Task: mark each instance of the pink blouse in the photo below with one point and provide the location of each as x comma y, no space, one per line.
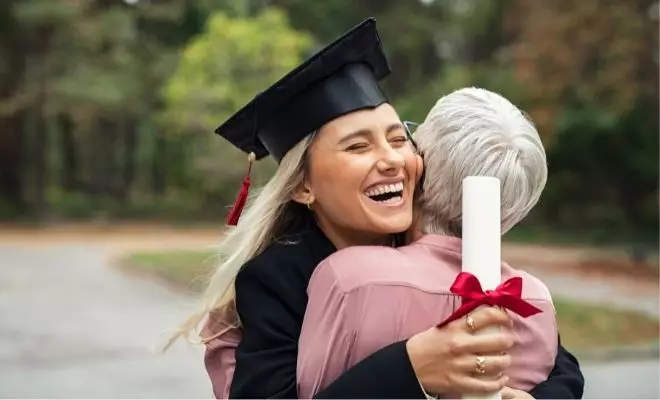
364,298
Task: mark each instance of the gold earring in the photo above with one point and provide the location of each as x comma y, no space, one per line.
309,203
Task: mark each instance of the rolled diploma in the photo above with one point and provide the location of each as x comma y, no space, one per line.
482,239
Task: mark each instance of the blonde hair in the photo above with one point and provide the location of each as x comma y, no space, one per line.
475,132
269,211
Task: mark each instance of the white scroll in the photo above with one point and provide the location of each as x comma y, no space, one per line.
482,239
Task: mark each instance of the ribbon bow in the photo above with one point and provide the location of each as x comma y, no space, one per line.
508,295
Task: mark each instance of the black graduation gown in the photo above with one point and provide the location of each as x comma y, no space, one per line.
271,298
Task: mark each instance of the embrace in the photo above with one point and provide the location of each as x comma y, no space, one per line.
337,275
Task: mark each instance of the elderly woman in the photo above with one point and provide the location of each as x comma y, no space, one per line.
346,177
364,298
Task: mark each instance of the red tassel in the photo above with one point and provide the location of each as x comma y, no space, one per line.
241,199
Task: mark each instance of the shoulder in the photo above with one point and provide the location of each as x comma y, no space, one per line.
352,267
353,254
277,266
270,288
287,262
533,287
277,258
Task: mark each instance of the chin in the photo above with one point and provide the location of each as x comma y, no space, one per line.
394,225
388,221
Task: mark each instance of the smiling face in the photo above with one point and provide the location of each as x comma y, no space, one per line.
361,176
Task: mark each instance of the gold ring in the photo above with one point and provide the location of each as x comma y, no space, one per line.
469,321
481,362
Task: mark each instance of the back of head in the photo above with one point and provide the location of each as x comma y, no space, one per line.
475,132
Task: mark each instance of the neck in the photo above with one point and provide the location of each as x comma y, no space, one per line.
342,238
415,232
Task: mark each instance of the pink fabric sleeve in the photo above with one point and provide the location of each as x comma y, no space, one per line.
328,333
219,358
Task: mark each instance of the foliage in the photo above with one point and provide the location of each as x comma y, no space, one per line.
107,108
226,66
220,71
596,106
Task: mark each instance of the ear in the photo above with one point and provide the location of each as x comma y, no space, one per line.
303,194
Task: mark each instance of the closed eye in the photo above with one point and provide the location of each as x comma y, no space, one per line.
357,146
399,140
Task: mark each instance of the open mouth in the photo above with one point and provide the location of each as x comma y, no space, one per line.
386,194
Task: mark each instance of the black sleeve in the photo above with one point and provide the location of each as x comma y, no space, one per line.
271,307
565,381
386,374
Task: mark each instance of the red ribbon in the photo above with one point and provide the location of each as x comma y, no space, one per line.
507,295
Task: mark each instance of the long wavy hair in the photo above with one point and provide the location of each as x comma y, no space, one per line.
265,218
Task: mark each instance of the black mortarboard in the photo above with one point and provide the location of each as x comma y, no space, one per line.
341,78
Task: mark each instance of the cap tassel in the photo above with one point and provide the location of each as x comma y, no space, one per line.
241,199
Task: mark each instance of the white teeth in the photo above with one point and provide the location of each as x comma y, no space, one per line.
382,189
394,199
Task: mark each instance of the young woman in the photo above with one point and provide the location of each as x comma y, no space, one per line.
346,177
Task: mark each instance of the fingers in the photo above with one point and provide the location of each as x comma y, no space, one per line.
508,393
492,343
486,317
484,365
476,386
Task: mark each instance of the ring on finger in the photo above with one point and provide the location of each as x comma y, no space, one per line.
481,363
469,321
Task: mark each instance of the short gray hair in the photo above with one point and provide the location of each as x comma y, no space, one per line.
475,132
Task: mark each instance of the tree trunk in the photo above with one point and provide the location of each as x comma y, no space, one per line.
11,125
130,154
39,159
70,157
11,162
158,166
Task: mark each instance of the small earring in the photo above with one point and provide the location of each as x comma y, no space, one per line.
309,203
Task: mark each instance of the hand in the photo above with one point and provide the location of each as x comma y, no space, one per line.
445,359
508,393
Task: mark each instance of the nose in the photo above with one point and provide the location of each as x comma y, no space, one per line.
391,161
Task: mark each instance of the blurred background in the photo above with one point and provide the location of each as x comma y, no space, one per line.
113,185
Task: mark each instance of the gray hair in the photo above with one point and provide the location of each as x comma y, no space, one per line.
475,132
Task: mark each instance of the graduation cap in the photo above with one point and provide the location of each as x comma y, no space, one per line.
339,79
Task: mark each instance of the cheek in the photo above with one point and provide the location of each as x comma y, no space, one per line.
414,164
339,179
337,185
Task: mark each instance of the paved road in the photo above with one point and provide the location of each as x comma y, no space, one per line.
623,380
72,327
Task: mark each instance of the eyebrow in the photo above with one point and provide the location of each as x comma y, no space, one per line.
394,127
366,132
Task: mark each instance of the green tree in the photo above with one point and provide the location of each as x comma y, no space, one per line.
219,72
589,69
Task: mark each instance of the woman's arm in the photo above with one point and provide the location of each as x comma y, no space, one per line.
565,381
271,302
220,339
